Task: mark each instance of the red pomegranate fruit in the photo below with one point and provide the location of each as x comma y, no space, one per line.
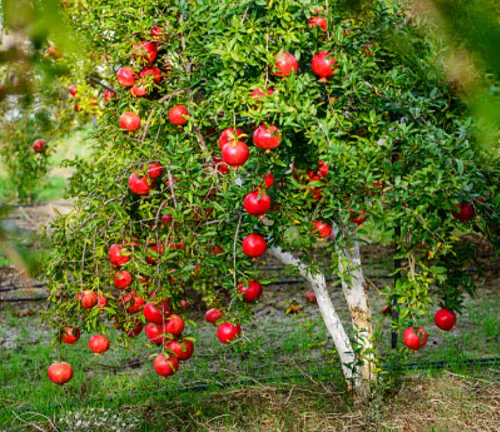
213,315
322,65
323,229
60,373
39,145
108,95
98,344
155,333
146,51
132,303
229,135
465,213
122,279
182,349
174,325
269,180
166,365
88,299
126,76
136,330
445,319
235,153
267,137
130,121
154,170
118,255
152,71
257,203
139,185
156,313
316,21
157,33
70,335
258,94
254,245
311,297
177,115
415,341
286,63
72,90
252,292
227,332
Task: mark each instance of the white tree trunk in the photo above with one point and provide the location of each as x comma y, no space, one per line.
330,317
356,294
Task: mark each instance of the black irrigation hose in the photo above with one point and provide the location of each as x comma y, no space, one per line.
427,365
278,282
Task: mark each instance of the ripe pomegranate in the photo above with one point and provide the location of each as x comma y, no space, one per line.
323,169
185,304
229,135
311,297
316,21
152,71
267,137
466,212
157,33
146,51
118,255
122,279
39,145
155,333
285,65
252,292
70,335
166,364
257,203
136,330
152,253
126,76
217,250
415,341
72,90
132,303
220,165
213,315
254,245
77,108
98,344
157,313
139,185
258,94
166,219
138,90
54,52
226,332
445,319
130,121
154,170
269,180
174,325
60,373
177,115
102,302
322,65
235,154
182,349
88,299
108,95
323,229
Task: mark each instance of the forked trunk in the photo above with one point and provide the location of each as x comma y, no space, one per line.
332,321
356,294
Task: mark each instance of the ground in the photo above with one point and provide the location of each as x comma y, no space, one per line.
284,377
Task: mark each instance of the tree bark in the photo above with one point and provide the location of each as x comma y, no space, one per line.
356,294
332,321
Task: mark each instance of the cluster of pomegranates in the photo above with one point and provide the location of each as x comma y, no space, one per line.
444,318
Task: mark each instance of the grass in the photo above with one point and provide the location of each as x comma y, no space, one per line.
291,381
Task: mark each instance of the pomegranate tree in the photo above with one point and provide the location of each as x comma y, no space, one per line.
187,202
